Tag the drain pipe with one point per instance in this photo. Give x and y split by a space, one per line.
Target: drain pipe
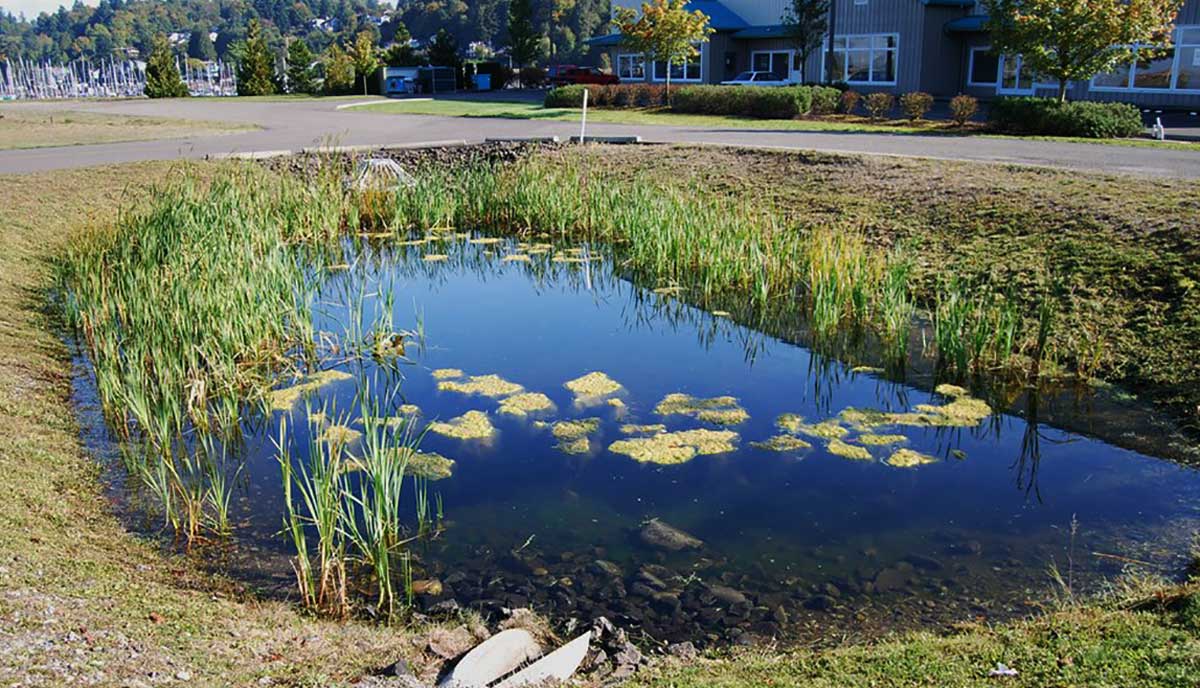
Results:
583 120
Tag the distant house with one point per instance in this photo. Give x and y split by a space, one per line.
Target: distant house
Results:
938 46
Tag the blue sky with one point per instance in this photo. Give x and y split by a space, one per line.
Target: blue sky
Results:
32 8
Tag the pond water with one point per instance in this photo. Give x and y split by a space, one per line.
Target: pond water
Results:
803 544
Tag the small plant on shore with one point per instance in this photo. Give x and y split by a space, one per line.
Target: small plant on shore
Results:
916 105
963 108
879 105
848 102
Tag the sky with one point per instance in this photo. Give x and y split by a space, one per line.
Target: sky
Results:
32 8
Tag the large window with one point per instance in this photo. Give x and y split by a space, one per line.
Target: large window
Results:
784 64
686 70
1174 69
984 68
631 66
866 59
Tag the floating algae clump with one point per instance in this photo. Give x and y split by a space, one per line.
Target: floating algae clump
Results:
435 257
782 443
526 403
866 369
849 451
676 447
485 385
447 373
579 445
409 410
486 241
428 465
574 429
286 398
339 434
948 390
964 411
472 425
592 388
631 429
907 458
617 404
826 429
875 440
516 258
717 410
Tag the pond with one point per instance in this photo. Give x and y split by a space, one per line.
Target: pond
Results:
829 530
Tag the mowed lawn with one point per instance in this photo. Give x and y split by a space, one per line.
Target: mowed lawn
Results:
25 127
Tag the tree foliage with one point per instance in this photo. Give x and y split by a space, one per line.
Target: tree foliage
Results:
162 74
1069 40
339 71
256 67
301 72
524 40
805 23
665 30
365 57
200 46
400 53
443 51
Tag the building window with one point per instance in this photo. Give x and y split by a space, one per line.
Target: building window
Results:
984 67
686 70
1174 69
866 59
631 66
778 62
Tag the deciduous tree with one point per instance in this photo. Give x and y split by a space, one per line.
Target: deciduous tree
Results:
524 41
364 56
1076 39
665 30
805 23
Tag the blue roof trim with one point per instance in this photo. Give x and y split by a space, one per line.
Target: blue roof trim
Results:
965 4
771 31
976 23
606 41
720 17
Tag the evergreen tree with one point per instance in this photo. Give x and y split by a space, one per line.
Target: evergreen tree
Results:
400 53
200 46
364 56
301 74
162 74
443 50
524 41
256 68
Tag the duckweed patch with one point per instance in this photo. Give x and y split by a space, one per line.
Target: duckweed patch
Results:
826 429
875 440
593 387
907 458
492 386
516 258
578 445
525 403
782 443
472 425
717 410
435 257
284 399
575 429
339 435
448 374
486 241
838 447
676 447
633 429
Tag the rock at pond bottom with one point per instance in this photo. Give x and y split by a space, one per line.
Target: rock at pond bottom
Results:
449 644
658 534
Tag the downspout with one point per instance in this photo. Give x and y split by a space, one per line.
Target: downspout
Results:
832 31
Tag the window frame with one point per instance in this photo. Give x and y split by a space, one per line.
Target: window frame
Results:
639 56
971 68
845 50
699 60
1176 53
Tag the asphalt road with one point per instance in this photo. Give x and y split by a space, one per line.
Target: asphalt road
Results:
299 124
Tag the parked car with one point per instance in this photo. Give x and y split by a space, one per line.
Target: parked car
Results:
582 75
756 79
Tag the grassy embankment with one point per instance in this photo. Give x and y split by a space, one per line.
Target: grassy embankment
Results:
840 123
22 127
164 605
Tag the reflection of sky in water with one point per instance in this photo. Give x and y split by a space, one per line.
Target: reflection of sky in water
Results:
808 513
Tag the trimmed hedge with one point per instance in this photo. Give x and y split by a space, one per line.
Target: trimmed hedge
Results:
1048 117
766 102
564 97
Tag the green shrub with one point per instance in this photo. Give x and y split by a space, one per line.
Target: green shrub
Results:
963 108
565 97
766 102
825 99
879 104
848 102
1048 117
916 104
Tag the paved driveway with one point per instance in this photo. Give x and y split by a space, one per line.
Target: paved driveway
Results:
298 124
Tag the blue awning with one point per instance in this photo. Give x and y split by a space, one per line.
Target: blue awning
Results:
976 23
770 31
720 17
606 41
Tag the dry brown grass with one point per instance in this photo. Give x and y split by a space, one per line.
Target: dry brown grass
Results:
30 128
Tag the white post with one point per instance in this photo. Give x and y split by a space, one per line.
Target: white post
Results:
583 120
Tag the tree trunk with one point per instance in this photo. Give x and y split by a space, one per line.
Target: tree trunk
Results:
668 84
1062 90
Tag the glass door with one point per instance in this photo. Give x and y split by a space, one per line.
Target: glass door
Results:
1015 78
777 62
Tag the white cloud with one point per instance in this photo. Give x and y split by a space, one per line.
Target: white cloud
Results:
33 8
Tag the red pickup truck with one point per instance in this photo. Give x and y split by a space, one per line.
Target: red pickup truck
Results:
582 75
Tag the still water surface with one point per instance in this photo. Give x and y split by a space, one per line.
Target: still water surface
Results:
803 545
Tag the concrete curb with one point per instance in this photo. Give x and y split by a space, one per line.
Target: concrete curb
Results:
523 139
364 103
360 148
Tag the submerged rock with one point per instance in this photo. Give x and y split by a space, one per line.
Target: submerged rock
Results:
659 534
728 595
284 399
717 410
472 425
